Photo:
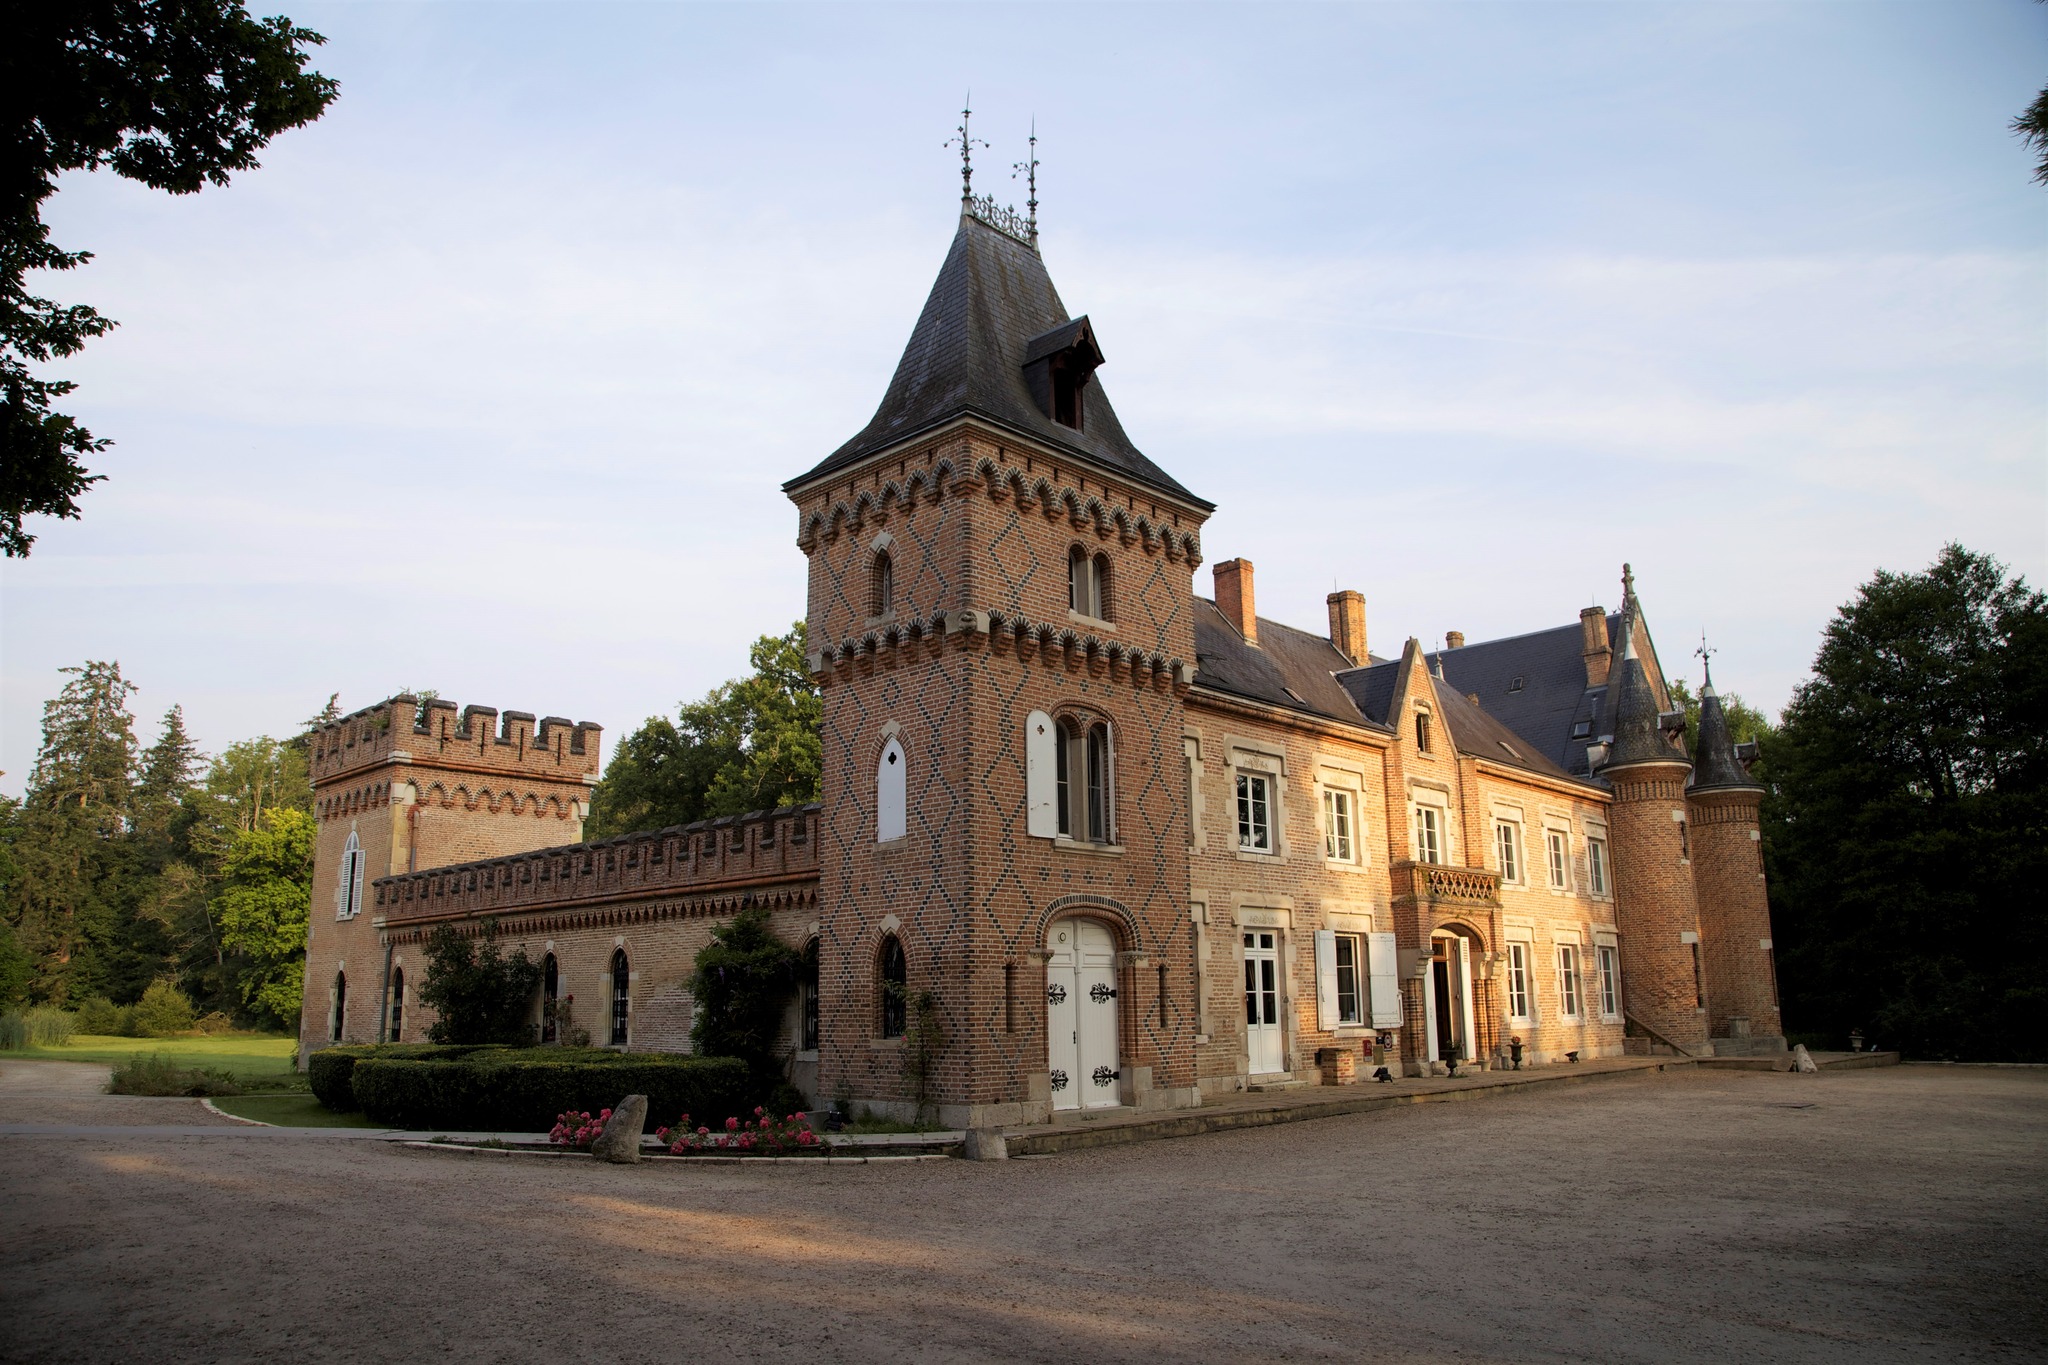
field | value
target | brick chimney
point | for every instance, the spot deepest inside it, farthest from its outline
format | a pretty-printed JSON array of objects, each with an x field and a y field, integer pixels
[
  {"x": 1454, "y": 639},
  {"x": 1347, "y": 624},
  {"x": 1599, "y": 656},
  {"x": 1234, "y": 597}
]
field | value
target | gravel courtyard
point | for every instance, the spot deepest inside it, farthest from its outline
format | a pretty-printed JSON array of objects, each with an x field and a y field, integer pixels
[{"x": 1865, "y": 1217}]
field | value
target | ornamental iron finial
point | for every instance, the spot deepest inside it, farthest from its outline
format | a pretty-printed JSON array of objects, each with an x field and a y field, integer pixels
[
  {"x": 1706, "y": 656},
  {"x": 1029, "y": 170},
  {"x": 966, "y": 143}
]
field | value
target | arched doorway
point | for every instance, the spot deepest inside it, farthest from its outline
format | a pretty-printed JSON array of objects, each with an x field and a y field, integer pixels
[
  {"x": 1451, "y": 1013},
  {"x": 1080, "y": 1014}
]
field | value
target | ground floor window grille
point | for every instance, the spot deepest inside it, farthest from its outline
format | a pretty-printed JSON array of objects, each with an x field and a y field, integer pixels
[{"x": 621, "y": 996}]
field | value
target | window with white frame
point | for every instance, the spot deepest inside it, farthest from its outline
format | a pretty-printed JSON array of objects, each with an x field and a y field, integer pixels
[
  {"x": 1519, "y": 1004},
  {"x": 1350, "y": 979},
  {"x": 1559, "y": 850},
  {"x": 1596, "y": 864},
  {"x": 1255, "y": 812},
  {"x": 1507, "y": 835},
  {"x": 1338, "y": 843},
  {"x": 1568, "y": 980},
  {"x": 1429, "y": 835},
  {"x": 348, "y": 897},
  {"x": 1609, "y": 959}
]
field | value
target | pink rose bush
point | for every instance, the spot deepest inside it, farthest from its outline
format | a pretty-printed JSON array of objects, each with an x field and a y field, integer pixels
[
  {"x": 579, "y": 1130},
  {"x": 762, "y": 1135}
]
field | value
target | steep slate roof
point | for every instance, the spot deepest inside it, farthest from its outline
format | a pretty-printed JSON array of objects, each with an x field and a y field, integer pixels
[
  {"x": 1288, "y": 668},
  {"x": 992, "y": 298},
  {"x": 1472, "y": 730},
  {"x": 1553, "y": 696}
]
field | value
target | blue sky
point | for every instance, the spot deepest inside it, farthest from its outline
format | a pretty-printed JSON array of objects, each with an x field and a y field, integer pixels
[{"x": 487, "y": 381}]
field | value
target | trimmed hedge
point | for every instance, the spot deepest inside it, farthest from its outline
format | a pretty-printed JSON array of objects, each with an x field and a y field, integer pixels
[
  {"x": 527, "y": 1089},
  {"x": 329, "y": 1071}
]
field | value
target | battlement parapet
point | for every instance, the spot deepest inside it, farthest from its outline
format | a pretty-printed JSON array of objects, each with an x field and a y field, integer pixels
[
  {"x": 436, "y": 733},
  {"x": 732, "y": 851}
]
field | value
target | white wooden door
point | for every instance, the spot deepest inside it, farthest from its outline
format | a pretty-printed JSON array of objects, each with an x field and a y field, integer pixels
[
  {"x": 1262, "y": 1031},
  {"x": 1080, "y": 1015}
]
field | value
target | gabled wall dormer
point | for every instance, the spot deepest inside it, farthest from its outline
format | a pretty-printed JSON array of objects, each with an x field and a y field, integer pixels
[{"x": 1057, "y": 367}]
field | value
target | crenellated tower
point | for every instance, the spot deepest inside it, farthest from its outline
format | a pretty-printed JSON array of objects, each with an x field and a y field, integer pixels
[
  {"x": 1728, "y": 870},
  {"x": 1001, "y": 622},
  {"x": 407, "y": 785}
]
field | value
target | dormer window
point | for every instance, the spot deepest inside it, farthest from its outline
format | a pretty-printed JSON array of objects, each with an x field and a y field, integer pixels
[
  {"x": 1057, "y": 367},
  {"x": 1422, "y": 731}
]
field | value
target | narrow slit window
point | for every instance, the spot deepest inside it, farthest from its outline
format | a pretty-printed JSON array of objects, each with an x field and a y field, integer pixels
[
  {"x": 882, "y": 588},
  {"x": 622, "y": 976},
  {"x": 895, "y": 988},
  {"x": 398, "y": 1005}
]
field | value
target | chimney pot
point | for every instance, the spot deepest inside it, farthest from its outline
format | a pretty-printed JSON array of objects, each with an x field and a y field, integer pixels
[
  {"x": 1347, "y": 624},
  {"x": 1454, "y": 639},
  {"x": 1234, "y": 597}
]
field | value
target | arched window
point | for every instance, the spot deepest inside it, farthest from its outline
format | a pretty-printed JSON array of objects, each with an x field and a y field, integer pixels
[
  {"x": 1088, "y": 583},
  {"x": 807, "y": 990},
  {"x": 895, "y": 988},
  {"x": 881, "y": 585},
  {"x": 397, "y": 1004},
  {"x": 340, "y": 1006},
  {"x": 1085, "y": 774},
  {"x": 621, "y": 983},
  {"x": 891, "y": 798},
  {"x": 550, "y": 996},
  {"x": 348, "y": 896}
]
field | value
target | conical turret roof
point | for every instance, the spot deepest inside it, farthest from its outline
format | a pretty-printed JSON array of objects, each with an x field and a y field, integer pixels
[
  {"x": 1715, "y": 766},
  {"x": 1638, "y": 737},
  {"x": 993, "y": 299}
]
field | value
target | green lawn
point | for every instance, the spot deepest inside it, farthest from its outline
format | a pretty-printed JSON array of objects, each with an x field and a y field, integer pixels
[
  {"x": 297, "y": 1109},
  {"x": 256, "y": 1059}
]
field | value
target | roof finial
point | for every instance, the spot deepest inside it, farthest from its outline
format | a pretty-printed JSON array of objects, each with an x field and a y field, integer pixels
[
  {"x": 1029, "y": 169},
  {"x": 1707, "y": 657},
  {"x": 967, "y": 144},
  {"x": 1628, "y": 584}
]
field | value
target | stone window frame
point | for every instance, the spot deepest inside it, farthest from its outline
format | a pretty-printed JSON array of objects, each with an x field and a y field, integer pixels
[
  {"x": 1433, "y": 796},
  {"x": 892, "y": 1007},
  {"x": 1091, "y": 580},
  {"x": 1510, "y": 848},
  {"x": 1607, "y": 975},
  {"x": 1600, "y": 883},
  {"x": 1191, "y": 751},
  {"x": 1074, "y": 729},
  {"x": 881, "y": 580},
  {"x": 1567, "y": 957},
  {"x": 1250, "y": 759},
  {"x": 618, "y": 1026},
  {"x": 1557, "y": 825},
  {"x": 1520, "y": 941},
  {"x": 1348, "y": 779}
]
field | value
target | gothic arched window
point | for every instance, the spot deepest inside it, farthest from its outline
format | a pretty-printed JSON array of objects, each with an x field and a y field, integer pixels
[
  {"x": 550, "y": 997},
  {"x": 881, "y": 585},
  {"x": 1088, "y": 583},
  {"x": 895, "y": 987},
  {"x": 807, "y": 991},
  {"x": 1085, "y": 774},
  {"x": 340, "y": 1006},
  {"x": 621, "y": 984},
  {"x": 348, "y": 896},
  {"x": 891, "y": 793}
]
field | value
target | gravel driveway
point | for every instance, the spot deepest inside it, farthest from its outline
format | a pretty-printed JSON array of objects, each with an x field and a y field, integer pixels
[{"x": 1859, "y": 1217}]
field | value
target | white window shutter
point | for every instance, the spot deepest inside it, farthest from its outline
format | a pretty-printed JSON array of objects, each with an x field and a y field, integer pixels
[
  {"x": 1384, "y": 964},
  {"x": 891, "y": 801},
  {"x": 1326, "y": 980},
  {"x": 1041, "y": 779}
]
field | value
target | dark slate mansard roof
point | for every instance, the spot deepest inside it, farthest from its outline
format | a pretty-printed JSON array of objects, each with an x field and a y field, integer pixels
[
  {"x": 991, "y": 301},
  {"x": 1288, "y": 668},
  {"x": 1472, "y": 729},
  {"x": 1553, "y": 697}
]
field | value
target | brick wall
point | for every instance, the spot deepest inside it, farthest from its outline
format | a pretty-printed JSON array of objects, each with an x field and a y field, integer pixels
[
  {"x": 1655, "y": 901},
  {"x": 1735, "y": 912}
]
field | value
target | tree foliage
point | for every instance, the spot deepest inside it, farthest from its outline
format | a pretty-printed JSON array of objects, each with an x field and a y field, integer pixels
[
  {"x": 742, "y": 984},
  {"x": 118, "y": 866},
  {"x": 750, "y": 744},
  {"x": 175, "y": 94},
  {"x": 1908, "y": 821},
  {"x": 1746, "y": 724},
  {"x": 479, "y": 994},
  {"x": 266, "y": 890}
]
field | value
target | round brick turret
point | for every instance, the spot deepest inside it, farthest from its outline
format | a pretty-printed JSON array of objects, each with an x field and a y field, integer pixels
[{"x": 1728, "y": 871}]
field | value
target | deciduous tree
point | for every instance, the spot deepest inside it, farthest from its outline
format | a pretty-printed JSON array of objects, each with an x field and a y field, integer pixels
[{"x": 176, "y": 94}]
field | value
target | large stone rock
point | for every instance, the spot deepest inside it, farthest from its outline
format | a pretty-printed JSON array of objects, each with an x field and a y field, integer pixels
[
  {"x": 620, "y": 1140},
  {"x": 985, "y": 1144},
  {"x": 1802, "y": 1060}
]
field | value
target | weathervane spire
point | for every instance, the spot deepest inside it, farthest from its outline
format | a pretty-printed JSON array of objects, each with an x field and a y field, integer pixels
[
  {"x": 966, "y": 143},
  {"x": 1706, "y": 656},
  {"x": 1029, "y": 170}
]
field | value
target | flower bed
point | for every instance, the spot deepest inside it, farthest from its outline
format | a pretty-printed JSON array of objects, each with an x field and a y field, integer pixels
[
  {"x": 762, "y": 1135},
  {"x": 578, "y": 1129}
]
